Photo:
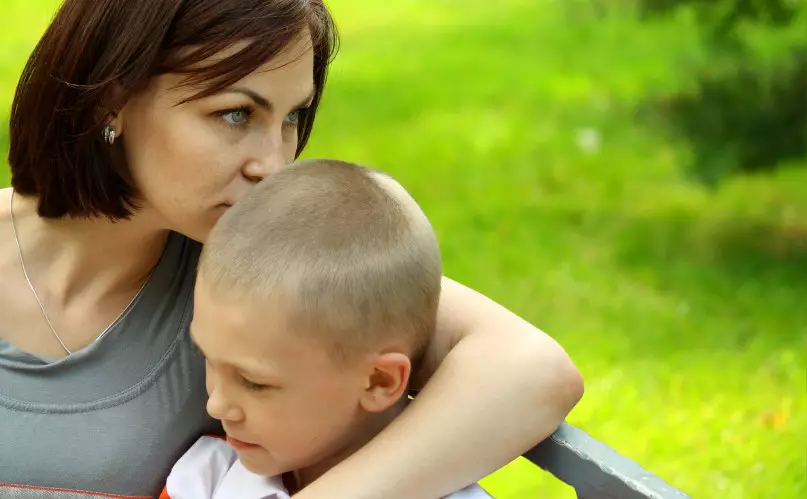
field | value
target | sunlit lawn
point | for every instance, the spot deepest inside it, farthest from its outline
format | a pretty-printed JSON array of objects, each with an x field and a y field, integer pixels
[{"x": 511, "y": 122}]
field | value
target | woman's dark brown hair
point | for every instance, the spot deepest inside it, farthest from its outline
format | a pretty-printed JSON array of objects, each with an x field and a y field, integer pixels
[{"x": 98, "y": 50}]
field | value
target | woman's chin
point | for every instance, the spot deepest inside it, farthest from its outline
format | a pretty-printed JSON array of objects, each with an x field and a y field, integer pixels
[{"x": 200, "y": 230}]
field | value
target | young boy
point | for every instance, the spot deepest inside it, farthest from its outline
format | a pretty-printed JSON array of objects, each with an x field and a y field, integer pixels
[{"x": 315, "y": 300}]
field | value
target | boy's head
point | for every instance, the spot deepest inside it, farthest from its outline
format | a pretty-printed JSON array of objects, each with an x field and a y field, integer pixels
[{"x": 316, "y": 294}]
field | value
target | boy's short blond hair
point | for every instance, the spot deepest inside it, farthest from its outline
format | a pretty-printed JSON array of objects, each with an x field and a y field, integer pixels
[{"x": 344, "y": 248}]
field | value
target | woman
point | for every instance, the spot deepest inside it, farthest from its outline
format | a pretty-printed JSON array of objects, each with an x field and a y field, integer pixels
[{"x": 136, "y": 124}]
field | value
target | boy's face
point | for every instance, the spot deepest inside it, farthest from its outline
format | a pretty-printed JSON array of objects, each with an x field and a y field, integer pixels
[{"x": 283, "y": 402}]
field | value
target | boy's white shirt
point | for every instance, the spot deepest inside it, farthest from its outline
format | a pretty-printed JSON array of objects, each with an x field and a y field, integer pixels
[{"x": 211, "y": 470}]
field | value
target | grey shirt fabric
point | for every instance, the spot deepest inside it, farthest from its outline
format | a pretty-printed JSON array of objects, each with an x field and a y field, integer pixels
[{"x": 114, "y": 417}]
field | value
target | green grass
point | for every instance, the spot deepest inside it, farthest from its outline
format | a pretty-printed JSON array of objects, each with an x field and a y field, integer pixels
[{"x": 683, "y": 307}]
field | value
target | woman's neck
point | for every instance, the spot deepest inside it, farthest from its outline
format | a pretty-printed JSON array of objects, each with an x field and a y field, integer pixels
[{"x": 71, "y": 257}]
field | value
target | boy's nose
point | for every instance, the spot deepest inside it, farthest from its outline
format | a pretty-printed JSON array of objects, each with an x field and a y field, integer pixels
[{"x": 219, "y": 408}]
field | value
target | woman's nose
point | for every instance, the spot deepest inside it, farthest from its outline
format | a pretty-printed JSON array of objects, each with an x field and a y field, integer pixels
[{"x": 270, "y": 158}]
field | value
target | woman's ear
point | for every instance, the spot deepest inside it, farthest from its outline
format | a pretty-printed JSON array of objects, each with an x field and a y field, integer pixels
[
  {"x": 387, "y": 381},
  {"x": 116, "y": 122},
  {"x": 112, "y": 115}
]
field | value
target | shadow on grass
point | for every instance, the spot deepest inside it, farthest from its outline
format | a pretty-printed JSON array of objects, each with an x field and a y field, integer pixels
[
  {"x": 746, "y": 120},
  {"x": 734, "y": 269},
  {"x": 748, "y": 111}
]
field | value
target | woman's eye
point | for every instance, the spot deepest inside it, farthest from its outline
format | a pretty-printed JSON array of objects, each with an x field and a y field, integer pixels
[
  {"x": 235, "y": 117},
  {"x": 293, "y": 118}
]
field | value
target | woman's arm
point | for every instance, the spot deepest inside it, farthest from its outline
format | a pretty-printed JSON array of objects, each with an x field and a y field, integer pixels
[{"x": 499, "y": 386}]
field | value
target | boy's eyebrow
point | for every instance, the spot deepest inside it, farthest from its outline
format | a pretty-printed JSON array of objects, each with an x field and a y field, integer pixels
[
  {"x": 241, "y": 367},
  {"x": 260, "y": 370}
]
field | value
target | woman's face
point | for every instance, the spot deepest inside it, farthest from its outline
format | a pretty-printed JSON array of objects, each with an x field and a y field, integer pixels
[{"x": 191, "y": 161}]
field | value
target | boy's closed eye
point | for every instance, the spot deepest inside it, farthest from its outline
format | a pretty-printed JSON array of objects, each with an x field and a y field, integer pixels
[{"x": 255, "y": 387}]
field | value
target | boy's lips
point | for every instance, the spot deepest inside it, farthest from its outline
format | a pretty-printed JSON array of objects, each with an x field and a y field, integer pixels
[{"x": 239, "y": 444}]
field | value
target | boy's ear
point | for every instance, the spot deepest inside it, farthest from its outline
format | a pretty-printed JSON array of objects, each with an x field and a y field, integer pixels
[{"x": 387, "y": 381}]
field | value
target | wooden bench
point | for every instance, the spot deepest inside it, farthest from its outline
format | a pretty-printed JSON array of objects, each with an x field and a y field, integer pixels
[{"x": 595, "y": 470}]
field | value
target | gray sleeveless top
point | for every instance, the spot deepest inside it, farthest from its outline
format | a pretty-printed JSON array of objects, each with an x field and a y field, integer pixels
[{"x": 113, "y": 417}]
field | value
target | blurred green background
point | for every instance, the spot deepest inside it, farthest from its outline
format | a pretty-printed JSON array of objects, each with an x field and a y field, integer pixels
[{"x": 627, "y": 175}]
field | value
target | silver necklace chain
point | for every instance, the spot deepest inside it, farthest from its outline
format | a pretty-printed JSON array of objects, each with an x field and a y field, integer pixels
[{"x": 36, "y": 296}]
